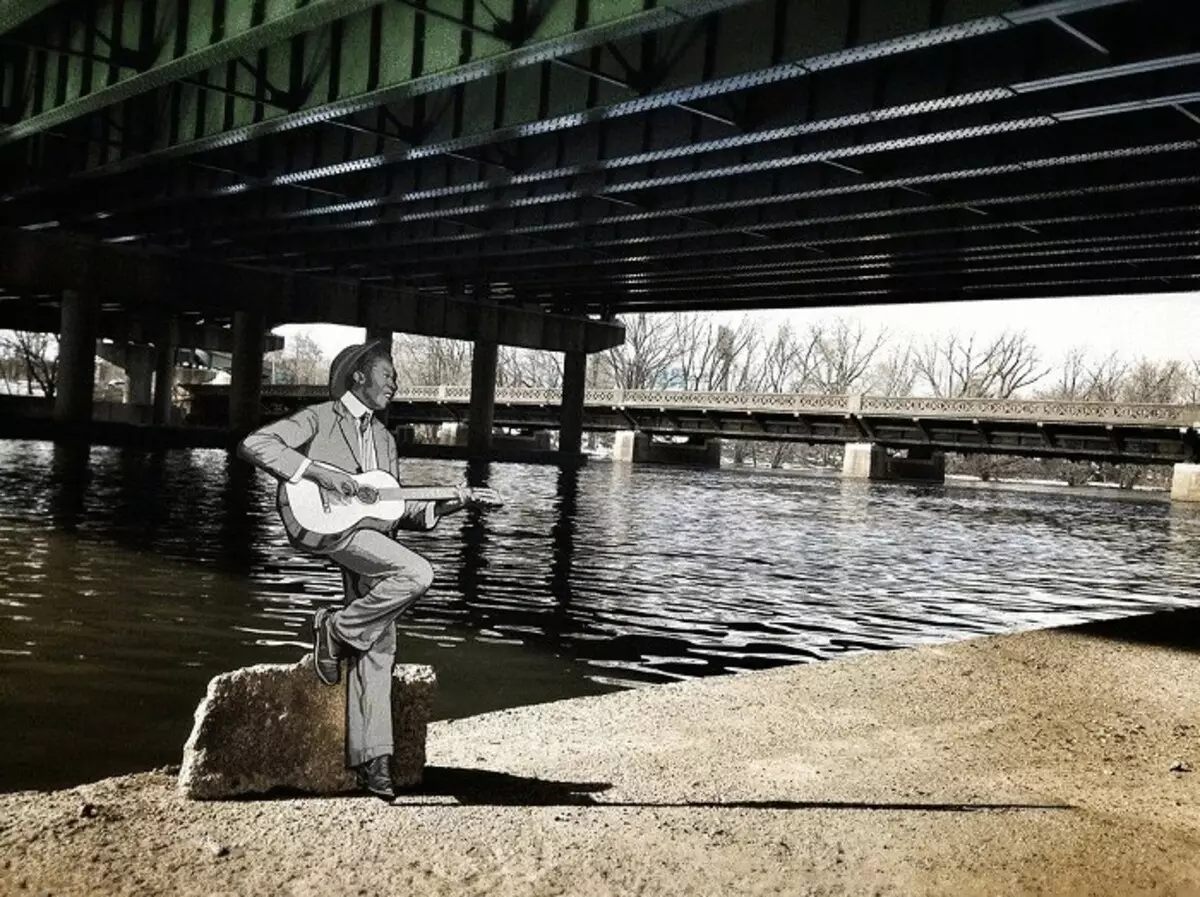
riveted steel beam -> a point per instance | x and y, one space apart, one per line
774 200
15 13
371 57
838 139
850 235
1070 286
170 44
820 39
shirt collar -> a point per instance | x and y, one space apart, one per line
356 408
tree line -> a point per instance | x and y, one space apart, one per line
691 351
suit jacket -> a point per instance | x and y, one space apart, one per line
326 433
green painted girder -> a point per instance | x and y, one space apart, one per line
195 40
371 57
14 13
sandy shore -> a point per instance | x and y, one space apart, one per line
1038 763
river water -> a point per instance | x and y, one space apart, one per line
128 579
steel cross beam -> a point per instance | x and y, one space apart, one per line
922 121
14 13
782 180
769 205
185 47
376 56
814 46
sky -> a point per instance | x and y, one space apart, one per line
1157 327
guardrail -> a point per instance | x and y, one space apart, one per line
1046 411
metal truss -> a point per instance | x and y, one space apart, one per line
592 156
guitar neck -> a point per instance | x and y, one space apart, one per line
418 493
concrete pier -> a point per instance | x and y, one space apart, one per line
1185 483
245 389
139 375
636 447
164 371
482 410
76 359
868 461
574 384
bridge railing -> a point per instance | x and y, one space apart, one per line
881 406
1046 411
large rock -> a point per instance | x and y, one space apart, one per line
275 726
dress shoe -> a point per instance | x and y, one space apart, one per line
325 658
376 776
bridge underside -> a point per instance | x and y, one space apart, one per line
596 158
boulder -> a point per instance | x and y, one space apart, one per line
275 726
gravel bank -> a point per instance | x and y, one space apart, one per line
1039 763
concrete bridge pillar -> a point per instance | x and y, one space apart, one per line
245 376
482 410
164 371
868 461
636 447
574 385
1185 483
76 359
139 375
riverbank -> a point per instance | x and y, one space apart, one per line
1051 762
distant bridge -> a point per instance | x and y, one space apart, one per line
1097 431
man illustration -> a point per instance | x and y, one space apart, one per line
382 579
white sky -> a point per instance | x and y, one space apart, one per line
1157 327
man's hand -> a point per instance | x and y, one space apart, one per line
335 481
483 498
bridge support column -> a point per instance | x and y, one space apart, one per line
574 384
482 410
868 461
636 447
166 348
139 375
245 386
76 359
1185 483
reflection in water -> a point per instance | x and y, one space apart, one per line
69 478
128 579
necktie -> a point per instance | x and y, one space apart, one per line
364 443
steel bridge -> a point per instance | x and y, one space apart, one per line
1097 431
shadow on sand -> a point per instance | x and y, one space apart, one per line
1174 629
482 787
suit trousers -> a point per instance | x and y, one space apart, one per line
382 579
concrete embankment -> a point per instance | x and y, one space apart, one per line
1051 762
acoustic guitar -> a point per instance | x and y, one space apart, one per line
317 518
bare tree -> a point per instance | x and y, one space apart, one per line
532 368
787 360
1082 377
962 367
645 359
1155 382
895 374
32 357
431 361
300 361
843 354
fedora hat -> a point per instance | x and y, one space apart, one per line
346 361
